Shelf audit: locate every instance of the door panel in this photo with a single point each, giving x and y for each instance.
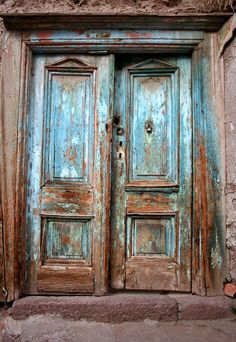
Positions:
(68, 174)
(153, 123)
(70, 127)
(152, 174)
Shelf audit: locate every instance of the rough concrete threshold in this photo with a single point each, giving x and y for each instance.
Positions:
(126, 307)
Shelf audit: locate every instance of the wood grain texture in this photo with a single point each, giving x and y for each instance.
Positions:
(152, 236)
(153, 104)
(142, 274)
(71, 280)
(102, 171)
(67, 239)
(150, 202)
(152, 171)
(10, 85)
(209, 254)
(69, 123)
(68, 167)
(208, 220)
(78, 41)
(67, 201)
(207, 22)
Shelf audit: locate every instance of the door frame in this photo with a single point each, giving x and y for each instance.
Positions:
(208, 226)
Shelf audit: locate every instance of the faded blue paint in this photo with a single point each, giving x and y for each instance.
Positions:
(185, 166)
(114, 40)
(154, 108)
(154, 119)
(35, 124)
(158, 178)
(67, 239)
(208, 139)
(104, 111)
(70, 126)
(68, 178)
(125, 36)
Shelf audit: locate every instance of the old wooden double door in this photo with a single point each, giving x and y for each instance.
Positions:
(109, 174)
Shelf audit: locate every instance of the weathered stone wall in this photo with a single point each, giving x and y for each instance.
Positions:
(230, 113)
(114, 6)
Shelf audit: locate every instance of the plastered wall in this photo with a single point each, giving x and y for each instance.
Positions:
(230, 118)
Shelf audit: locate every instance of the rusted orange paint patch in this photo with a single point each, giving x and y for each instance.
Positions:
(204, 218)
(45, 34)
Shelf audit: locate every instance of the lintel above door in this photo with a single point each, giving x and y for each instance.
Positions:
(188, 21)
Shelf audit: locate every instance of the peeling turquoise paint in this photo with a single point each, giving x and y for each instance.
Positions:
(68, 178)
(152, 173)
(155, 36)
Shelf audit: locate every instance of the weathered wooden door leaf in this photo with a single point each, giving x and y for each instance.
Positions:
(152, 164)
(68, 174)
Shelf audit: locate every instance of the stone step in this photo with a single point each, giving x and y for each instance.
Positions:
(119, 308)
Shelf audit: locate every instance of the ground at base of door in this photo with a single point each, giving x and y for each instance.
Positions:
(120, 317)
(120, 308)
(48, 328)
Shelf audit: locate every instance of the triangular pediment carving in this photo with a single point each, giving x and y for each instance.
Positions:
(71, 63)
(152, 63)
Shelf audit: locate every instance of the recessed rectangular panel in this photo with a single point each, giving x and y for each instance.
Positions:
(69, 131)
(67, 239)
(151, 236)
(152, 252)
(153, 128)
(150, 110)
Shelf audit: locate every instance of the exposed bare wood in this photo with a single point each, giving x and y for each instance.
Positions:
(67, 216)
(92, 202)
(68, 201)
(182, 22)
(151, 217)
(149, 203)
(70, 280)
(11, 58)
(143, 275)
(209, 182)
(102, 174)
